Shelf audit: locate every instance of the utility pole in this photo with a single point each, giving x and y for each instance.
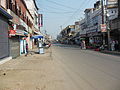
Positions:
(45, 32)
(118, 24)
(118, 8)
(107, 25)
(102, 7)
(61, 27)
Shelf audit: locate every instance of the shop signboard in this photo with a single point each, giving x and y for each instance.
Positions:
(40, 20)
(103, 28)
(112, 2)
(12, 32)
(20, 32)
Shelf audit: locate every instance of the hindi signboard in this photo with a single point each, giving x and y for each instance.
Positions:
(12, 32)
(103, 28)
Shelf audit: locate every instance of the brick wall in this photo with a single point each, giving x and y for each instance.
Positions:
(19, 8)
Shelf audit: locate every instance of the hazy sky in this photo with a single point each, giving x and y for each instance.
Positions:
(58, 14)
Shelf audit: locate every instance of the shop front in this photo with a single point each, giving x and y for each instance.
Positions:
(23, 36)
(95, 39)
(84, 37)
(17, 42)
(14, 46)
(115, 32)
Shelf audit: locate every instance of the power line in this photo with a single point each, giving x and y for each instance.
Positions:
(65, 11)
(57, 12)
(59, 4)
(50, 11)
(56, 8)
(72, 16)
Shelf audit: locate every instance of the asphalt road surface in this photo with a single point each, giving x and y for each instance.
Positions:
(86, 69)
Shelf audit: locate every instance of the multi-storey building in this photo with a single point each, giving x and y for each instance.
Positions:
(32, 7)
(4, 41)
(77, 34)
(67, 34)
(23, 24)
(93, 20)
(115, 27)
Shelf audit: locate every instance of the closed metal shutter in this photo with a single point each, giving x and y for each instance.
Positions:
(14, 46)
(4, 44)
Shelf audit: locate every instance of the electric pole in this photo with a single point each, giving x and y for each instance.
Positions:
(61, 27)
(107, 25)
(102, 7)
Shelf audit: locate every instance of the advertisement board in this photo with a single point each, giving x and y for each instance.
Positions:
(40, 20)
(103, 28)
(12, 32)
(112, 1)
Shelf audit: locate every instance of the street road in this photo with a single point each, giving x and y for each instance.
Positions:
(88, 70)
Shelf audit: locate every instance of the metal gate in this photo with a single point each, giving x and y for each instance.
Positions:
(14, 46)
(4, 44)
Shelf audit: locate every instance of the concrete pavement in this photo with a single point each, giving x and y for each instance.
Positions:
(111, 52)
(34, 72)
(102, 51)
(61, 68)
(89, 70)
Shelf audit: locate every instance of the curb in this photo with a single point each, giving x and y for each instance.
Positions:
(4, 60)
(110, 52)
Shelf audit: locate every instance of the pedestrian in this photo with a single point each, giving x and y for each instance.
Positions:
(116, 45)
(113, 45)
(26, 49)
(83, 45)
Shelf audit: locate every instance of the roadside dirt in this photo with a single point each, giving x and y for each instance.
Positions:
(34, 72)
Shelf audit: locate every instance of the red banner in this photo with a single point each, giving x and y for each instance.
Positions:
(12, 32)
(40, 20)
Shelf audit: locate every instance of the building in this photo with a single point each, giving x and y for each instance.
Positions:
(21, 27)
(4, 40)
(77, 33)
(90, 25)
(32, 7)
(115, 27)
(67, 35)
(21, 23)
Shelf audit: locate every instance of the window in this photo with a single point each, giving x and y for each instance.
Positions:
(20, 11)
(36, 19)
(112, 11)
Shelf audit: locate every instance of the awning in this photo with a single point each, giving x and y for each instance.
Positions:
(3, 12)
(21, 32)
(36, 37)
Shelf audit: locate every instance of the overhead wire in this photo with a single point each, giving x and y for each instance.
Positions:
(60, 4)
(56, 12)
(55, 8)
(73, 15)
(70, 18)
